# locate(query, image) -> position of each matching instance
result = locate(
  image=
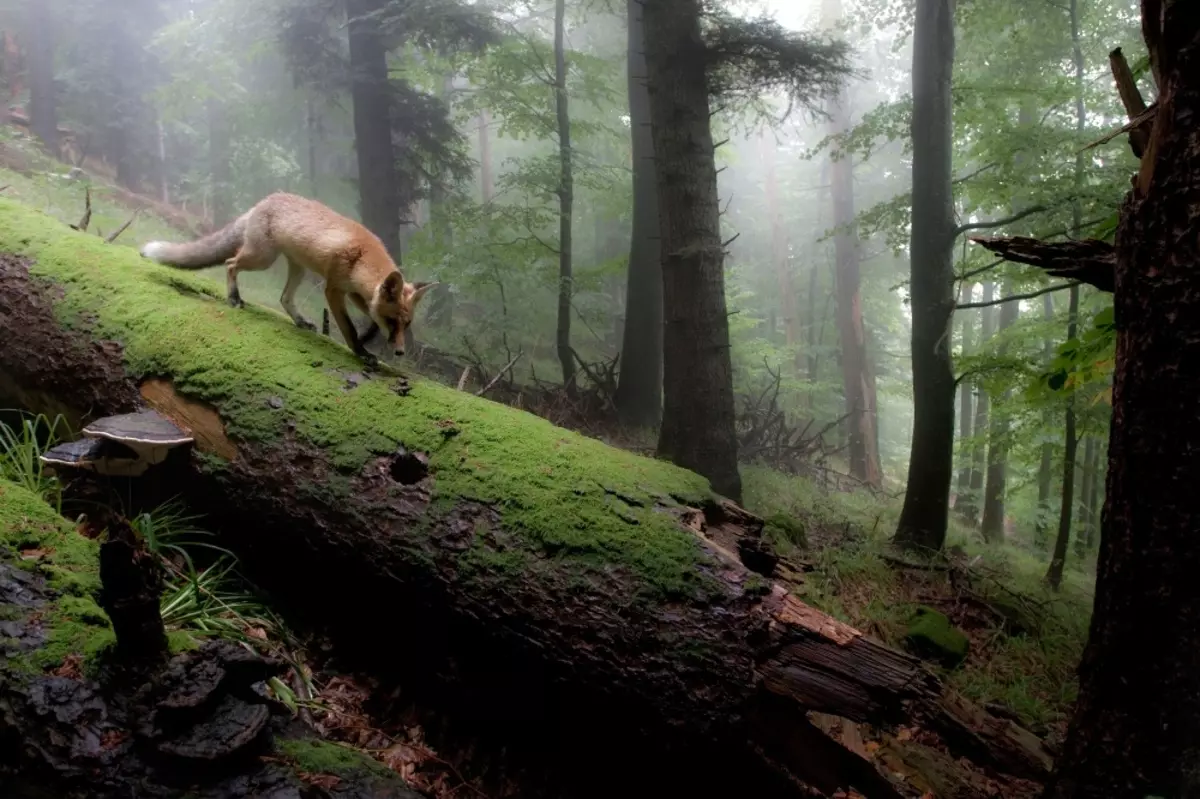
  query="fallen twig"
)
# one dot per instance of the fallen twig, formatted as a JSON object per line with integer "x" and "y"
{"x": 113, "y": 236}
{"x": 82, "y": 226}
{"x": 499, "y": 375}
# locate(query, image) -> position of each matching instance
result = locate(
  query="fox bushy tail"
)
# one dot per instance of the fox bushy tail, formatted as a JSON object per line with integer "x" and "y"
{"x": 213, "y": 249}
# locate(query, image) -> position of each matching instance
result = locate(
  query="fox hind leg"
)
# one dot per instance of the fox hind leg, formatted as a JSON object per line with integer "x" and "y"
{"x": 255, "y": 255}
{"x": 288, "y": 299}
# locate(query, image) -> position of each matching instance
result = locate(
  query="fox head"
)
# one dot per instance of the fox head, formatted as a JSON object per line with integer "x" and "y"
{"x": 393, "y": 305}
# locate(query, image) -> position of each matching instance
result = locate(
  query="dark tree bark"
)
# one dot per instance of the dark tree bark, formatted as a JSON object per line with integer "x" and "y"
{"x": 378, "y": 178}
{"x": 566, "y": 201}
{"x": 219, "y": 164}
{"x": 996, "y": 487}
{"x": 858, "y": 380}
{"x": 1071, "y": 443}
{"x": 966, "y": 407}
{"x": 39, "y": 56}
{"x": 1046, "y": 466}
{"x": 987, "y": 328}
{"x": 639, "y": 386}
{"x": 923, "y": 518}
{"x": 698, "y": 415}
{"x": 1134, "y": 730}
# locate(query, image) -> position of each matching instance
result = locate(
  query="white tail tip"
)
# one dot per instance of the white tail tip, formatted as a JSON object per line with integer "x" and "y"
{"x": 154, "y": 250}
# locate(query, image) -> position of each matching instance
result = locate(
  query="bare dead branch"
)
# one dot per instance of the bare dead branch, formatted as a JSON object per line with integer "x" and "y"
{"x": 1017, "y": 297}
{"x": 82, "y": 226}
{"x": 1131, "y": 98}
{"x": 508, "y": 367}
{"x": 116, "y": 233}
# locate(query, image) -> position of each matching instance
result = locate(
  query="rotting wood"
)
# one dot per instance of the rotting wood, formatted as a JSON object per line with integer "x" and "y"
{"x": 1131, "y": 98}
{"x": 574, "y": 665}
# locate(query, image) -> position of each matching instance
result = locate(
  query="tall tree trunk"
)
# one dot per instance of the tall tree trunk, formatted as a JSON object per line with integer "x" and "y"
{"x": 966, "y": 406}
{"x": 566, "y": 200}
{"x": 219, "y": 167}
{"x": 1046, "y": 467}
{"x": 639, "y": 386}
{"x": 441, "y": 299}
{"x": 487, "y": 185}
{"x": 39, "y": 56}
{"x": 1083, "y": 533}
{"x": 1094, "y": 501}
{"x": 698, "y": 416}
{"x": 923, "y": 518}
{"x": 1071, "y": 443}
{"x": 780, "y": 264}
{"x": 996, "y": 488}
{"x": 1134, "y": 730}
{"x": 987, "y": 328}
{"x": 378, "y": 177}
{"x": 1058, "y": 560}
{"x": 163, "y": 180}
{"x": 312, "y": 143}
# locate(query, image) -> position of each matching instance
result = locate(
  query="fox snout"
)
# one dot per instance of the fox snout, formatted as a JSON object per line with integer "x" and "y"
{"x": 399, "y": 352}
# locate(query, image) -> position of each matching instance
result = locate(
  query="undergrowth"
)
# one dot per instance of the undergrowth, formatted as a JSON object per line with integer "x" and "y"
{"x": 205, "y": 595}
{"x": 855, "y": 578}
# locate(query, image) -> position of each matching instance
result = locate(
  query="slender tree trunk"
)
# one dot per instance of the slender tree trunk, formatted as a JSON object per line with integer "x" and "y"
{"x": 1083, "y": 534}
{"x": 987, "y": 328}
{"x": 966, "y": 406}
{"x": 219, "y": 169}
{"x": 441, "y": 299}
{"x": 163, "y": 180}
{"x": 639, "y": 386}
{"x": 923, "y": 517}
{"x": 779, "y": 245}
{"x": 312, "y": 142}
{"x": 1046, "y": 467}
{"x": 566, "y": 200}
{"x": 487, "y": 186}
{"x": 39, "y": 56}
{"x": 698, "y": 417}
{"x": 1135, "y": 731}
{"x": 858, "y": 380}
{"x": 1058, "y": 560}
{"x": 992, "y": 525}
{"x": 1094, "y": 501}
{"x": 378, "y": 178}
{"x": 13, "y": 66}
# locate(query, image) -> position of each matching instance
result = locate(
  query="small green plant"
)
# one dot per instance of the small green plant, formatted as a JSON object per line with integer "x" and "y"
{"x": 21, "y": 448}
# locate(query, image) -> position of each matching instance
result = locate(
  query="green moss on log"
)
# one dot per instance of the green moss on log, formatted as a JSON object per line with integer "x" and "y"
{"x": 548, "y": 483}
{"x": 931, "y": 635}
{"x": 323, "y": 757}
{"x": 34, "y": 536}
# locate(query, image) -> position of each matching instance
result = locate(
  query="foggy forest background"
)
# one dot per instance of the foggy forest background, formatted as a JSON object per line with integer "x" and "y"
{"x": 206, "y": 106}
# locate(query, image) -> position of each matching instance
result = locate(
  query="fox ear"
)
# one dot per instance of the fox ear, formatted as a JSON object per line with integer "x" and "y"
{"x": 392, "y": 285}
{"x": 419, "y": 290}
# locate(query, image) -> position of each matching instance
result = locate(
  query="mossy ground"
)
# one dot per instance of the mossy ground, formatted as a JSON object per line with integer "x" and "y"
{"x": 322, "y": 757}
{"x": 1033, "y": 675}
{"x": 34, "y": 536}
{"x": 549, "y": 483}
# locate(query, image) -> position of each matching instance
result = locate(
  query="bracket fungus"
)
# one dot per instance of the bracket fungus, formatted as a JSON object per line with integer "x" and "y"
{"x": 124, "y": 445}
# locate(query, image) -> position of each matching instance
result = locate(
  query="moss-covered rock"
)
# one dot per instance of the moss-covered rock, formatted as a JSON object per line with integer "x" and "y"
{"x": 931, "y": 635}
{"x": 266, "y": 377}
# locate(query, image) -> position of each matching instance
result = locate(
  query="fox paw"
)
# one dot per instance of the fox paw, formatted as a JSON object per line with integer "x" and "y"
{"x": 304, "y": 324}
{"x": 370, "y": 362}
{"x": 236, "y": 301}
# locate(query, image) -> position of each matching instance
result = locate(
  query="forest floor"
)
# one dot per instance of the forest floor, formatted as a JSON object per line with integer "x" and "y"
{"x": 1025, "y": 641}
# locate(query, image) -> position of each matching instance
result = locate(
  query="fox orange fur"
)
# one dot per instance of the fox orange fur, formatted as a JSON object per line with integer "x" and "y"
{"x": 351, "y": 259}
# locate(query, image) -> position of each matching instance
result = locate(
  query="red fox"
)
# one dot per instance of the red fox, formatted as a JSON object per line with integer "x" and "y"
{"x": 309, "y": 235}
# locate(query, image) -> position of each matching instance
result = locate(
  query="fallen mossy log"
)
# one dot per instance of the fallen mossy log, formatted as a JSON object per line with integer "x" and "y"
{"x": 555, "y": 595}
{"x": 76, "y": 721}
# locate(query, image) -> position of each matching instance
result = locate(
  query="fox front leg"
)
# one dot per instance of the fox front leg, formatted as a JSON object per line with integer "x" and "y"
{"x": 337, "y": 309}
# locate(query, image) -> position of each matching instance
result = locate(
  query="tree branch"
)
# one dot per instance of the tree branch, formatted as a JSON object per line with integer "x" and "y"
{"x": 1131, "y": 98}
{"x": 1088, "y": 260}
{"x": 1015, "y": 297}
{"x": 1008, "y": 220}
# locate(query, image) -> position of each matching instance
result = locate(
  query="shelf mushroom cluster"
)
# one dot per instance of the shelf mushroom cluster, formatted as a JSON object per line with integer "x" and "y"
{"x": 124, "y": 445}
